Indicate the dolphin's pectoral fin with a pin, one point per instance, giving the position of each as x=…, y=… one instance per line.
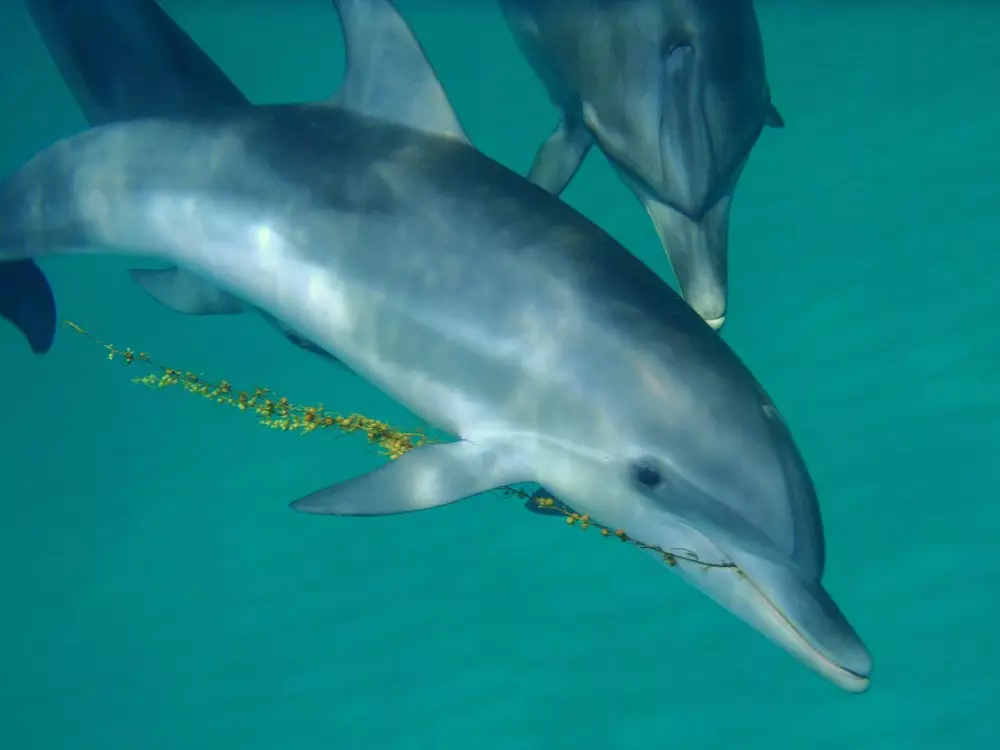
x=388, y=76
x=559, y=158
x=773, y=118
x=185, y=292
x=26, y=300
x=426, y=477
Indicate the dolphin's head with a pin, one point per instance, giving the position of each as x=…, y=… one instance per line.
x=676, y=95
x=694, y=461
x=773, y=593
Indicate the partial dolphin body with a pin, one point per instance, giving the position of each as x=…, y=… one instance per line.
x=484, y=304
x=674, y=93
x=127, y=59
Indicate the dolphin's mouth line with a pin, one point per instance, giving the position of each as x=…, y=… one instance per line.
x=794, y=630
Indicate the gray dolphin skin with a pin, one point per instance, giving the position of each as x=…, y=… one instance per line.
x=674, y=93
x=487, y=306
x=126, y=59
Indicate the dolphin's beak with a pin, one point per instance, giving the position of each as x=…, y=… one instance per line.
x=792, y=611
x=802, y=617
x=716, y=323
x=698, y=251
x=789, y=607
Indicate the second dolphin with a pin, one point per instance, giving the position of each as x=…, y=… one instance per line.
x=675, y=95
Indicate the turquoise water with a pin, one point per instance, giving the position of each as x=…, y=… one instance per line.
x=158, y=593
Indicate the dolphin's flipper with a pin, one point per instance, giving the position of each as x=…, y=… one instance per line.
x=26, y=300
x=388, y=76
x=560, y=157
x=773, y=118
x=186, y=292
x=426, y=477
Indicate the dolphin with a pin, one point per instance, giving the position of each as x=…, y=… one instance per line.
x=674, y=93
x=491, y=309
x=127, y=59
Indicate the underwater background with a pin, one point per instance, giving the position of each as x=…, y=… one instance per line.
x=158, y=593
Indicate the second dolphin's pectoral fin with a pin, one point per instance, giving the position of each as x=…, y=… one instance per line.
x=560, y=157
x=388, y=76
x=427, y=477
x=186, y=292
x=26, y=300
x=773, y=118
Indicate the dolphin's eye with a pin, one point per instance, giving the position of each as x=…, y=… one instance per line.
x=647, y=474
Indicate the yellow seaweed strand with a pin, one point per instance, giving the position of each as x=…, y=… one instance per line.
x=274, y=411
x=280, y=414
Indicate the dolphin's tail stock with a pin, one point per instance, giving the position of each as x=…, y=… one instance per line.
x=64, y=200
x=26, y=300
x=127, y=59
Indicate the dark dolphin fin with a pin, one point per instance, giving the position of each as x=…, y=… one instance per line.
x=125, y=59
x=26, y=300
x=560, y=157
x=773, y=118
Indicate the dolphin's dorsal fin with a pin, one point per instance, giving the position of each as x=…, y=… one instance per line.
x=388, y=76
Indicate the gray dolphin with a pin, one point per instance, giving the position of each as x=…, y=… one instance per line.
x=487, y=306
x=125, y=59
x=674, y=93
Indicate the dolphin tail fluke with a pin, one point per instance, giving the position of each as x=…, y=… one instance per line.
x=26, y=300
x=560, y=157
x=427, y=477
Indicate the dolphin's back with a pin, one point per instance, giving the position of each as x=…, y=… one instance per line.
x=419, y=253
x=339, y=172
x=126, y=59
